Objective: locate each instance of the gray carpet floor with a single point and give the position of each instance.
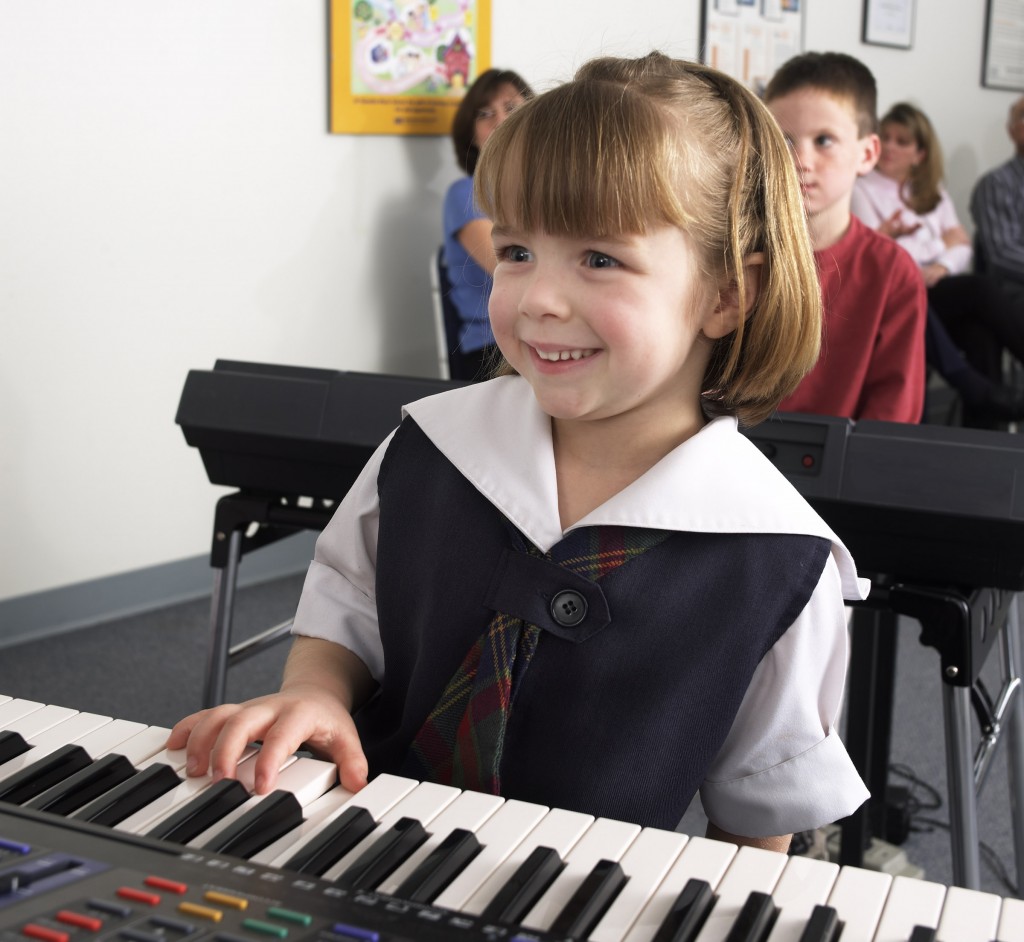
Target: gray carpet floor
(150, 668)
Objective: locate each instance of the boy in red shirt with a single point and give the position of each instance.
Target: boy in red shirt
(872, 363)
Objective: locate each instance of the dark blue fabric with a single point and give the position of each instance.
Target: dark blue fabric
(623, 724)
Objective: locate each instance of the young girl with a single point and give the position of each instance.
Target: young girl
(572, 584)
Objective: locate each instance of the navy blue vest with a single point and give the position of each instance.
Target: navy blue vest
(619, 716)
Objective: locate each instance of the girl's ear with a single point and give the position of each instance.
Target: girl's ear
(726, 315)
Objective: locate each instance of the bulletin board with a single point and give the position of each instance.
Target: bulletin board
(403, 68)
(750, 39)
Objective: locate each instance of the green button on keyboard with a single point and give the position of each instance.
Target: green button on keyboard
(289, 915)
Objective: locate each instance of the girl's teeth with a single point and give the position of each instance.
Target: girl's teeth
(564, 354)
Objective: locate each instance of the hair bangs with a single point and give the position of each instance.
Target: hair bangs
(584, 160)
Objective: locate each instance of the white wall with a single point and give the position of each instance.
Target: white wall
(169, 195)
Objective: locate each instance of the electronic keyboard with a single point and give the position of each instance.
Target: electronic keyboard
(103, 838)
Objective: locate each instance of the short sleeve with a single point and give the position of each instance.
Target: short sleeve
(338, 601)
(783, 767)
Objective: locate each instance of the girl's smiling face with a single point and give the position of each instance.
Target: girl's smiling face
(606, 327)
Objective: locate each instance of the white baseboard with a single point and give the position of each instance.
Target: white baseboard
(56, 611)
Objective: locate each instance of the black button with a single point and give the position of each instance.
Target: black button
(568, 608)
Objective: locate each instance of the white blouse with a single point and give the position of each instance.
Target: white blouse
(877, 197)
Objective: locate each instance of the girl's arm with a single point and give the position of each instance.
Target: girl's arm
(780, 843)
(324, 683)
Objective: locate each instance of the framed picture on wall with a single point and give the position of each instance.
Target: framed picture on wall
(403, 70)
(1003, 60)
(749, 40)
(889, 23)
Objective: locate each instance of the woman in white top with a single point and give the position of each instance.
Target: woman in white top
(903, 197)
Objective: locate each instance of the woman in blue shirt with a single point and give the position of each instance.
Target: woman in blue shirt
(467, 232)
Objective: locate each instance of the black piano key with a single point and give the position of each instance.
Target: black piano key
(440, 867)
(201, 812)
(12, 745)
(332, 843)
(755, 920)
(688, 913)
(46, 772)
(261, 825)
(532, 877)
(590, 902)
(84, 786)
(823, 926)
(130, 796)
(384, 857)
(923, 934)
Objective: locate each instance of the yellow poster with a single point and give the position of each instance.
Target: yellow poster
(402, 68)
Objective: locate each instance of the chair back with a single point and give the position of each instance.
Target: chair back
(446, 318)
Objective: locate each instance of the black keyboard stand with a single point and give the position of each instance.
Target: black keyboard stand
(243, 522)
(963, 626)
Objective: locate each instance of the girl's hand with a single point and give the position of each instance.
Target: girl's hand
(894, 226)
(933, 273)
(302, 715)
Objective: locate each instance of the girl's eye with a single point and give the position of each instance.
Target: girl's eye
(600, 260)
(514, 253)
(823, 140)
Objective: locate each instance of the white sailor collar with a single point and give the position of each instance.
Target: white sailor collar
(718, 481)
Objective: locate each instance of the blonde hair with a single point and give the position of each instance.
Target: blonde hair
(632, 144)
(922, 191)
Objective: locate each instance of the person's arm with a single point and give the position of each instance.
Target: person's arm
(783, 768)
(779, 843)
(323, 684)
(999, 217)
(475, 238)
(893, 389)
(331, 668)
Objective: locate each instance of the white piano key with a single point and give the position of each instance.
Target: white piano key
(910, 903)
(468, 811)
(144, 744)
(300, 776)
(50, 740)
(752, 870)
(605, 839)
(558, 829)
(1011, 921)
(423, 803)
(4, 698)
(175, 758)
(106, 738)
(15, 709)
(804, 884)
(378, 797)
(859, 897)
(969, 916)
(152, 814)
(35, 721)
(701, 859)
(499, 837)
(645, 863)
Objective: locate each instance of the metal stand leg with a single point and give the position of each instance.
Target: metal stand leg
(1014, 731)
(963, 808)
(873, 644)
(222, 608)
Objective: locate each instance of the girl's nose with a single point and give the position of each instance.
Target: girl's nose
(542, 295)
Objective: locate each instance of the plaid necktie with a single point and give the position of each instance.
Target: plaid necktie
(462, 739)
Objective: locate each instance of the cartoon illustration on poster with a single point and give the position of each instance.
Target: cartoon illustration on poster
(402, 67)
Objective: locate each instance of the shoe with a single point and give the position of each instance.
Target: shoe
(1004, 402)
